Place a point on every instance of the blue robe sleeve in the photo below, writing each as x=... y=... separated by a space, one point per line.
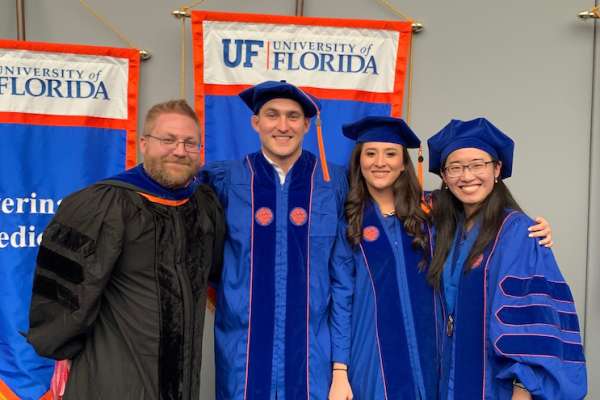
x=341 y=272
x=217 y=176
x=339 y=179
x=342 y=288
x=533 y=325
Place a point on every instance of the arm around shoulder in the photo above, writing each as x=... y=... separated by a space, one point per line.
x=217 y=175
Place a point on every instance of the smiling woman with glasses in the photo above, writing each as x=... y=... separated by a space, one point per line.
x=510 y=330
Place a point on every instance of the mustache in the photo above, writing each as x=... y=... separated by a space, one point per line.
x=179 y=161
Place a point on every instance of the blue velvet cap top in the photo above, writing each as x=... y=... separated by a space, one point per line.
x=381 y=129
x=256 y=96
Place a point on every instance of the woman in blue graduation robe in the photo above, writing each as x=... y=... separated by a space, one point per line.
x=508 y=317
x=393 y=353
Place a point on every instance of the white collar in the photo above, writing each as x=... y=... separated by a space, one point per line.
x=280 y=172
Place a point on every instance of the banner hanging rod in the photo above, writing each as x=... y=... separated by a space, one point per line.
x=20 y=19
x=183 y=13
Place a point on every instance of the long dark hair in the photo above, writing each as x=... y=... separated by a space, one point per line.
x=407 y=200
x=446 y=213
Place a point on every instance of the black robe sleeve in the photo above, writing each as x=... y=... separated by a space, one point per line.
x=217 y=217
x=79 y=249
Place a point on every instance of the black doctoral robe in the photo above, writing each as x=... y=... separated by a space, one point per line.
x=120 y=289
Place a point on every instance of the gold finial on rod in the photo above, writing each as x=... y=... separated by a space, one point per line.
x=592 y=13
x=417 y=27
x=181 y=13
x=145 y=55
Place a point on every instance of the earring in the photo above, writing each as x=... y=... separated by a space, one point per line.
x=496 y=180
x=445 y=187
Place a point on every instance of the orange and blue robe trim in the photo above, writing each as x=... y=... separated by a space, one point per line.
x=272 y=322
x=514 y=319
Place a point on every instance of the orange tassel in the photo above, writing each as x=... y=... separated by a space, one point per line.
x=326 y=177
x=211 y=304
x=320 y=142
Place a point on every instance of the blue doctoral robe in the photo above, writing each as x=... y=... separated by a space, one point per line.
x=272 y=328
x=514 y=318
x=394 y=341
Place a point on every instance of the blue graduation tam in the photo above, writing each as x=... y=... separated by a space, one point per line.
x=381 y=129
x=478 y=133
x=256 y=96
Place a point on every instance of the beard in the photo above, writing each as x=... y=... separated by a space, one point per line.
x=160 y=171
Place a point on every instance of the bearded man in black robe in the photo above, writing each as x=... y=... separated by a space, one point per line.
x=122 y=272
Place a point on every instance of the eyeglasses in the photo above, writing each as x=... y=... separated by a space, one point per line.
x=476 y=168
x=172 y=143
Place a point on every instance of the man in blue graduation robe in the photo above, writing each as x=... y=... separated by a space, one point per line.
x=272 y=330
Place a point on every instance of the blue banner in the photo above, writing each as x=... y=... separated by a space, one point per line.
x=53 y=141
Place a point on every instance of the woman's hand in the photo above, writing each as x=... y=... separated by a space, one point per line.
x=542 y=230
x=520 y=394
x=340 y=386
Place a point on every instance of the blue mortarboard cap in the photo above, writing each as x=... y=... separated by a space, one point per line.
x=478 y=133
x=381 y=129
x=256 y=96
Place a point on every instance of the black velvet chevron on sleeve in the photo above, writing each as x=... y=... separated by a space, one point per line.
x=62 y=266
x=51 y=289
x=70 y=238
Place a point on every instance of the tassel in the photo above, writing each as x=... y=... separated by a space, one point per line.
x=425 y=205
x=211 y=304
x=320 y=142
x=326 y=177
x=420 y=167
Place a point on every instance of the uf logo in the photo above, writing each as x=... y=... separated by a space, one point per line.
x=240 y=44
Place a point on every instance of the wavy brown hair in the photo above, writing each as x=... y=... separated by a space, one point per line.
x=407 y=201
x=446 y=213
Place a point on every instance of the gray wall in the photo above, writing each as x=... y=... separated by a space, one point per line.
x=8 y=25
x=592 y=309
x=526 y=65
